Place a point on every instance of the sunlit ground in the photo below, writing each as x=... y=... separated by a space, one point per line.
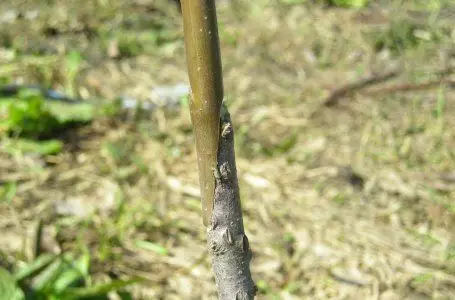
x=351 y=199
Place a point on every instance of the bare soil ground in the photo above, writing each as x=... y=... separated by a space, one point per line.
x=353 y=200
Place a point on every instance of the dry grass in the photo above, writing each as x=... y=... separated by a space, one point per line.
x=353 y=201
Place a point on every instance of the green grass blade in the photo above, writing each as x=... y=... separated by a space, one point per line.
x=97 y=290
x=35 y=266
x=45 y=280
x=146 y=245
x=7 y=192
x=20 y=146
x=77 y=112
x=8 y=287
x=75 y=272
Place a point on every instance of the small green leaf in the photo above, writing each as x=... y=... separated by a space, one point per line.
x=35 y=266
x=29 y=116
x=66 y=279
x=146 y=245
x=293 y=1
x=184 y=101
x=7 y=192
x=8 y=287
x=83 y=263
x=49 y=147
x=73 y=62
x=350 y=3
x=422 y=278
x=112 y=108
x=29 y=94
x=44 y=280
x=263 y=286
x=72 y=112
x=97 y=290
x=73 y=272
x=289 y=237
x=287 y=143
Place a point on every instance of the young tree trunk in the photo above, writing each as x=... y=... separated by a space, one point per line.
x=213 y=132
x=227 y=240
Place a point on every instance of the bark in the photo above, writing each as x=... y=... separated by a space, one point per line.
x=227 y=240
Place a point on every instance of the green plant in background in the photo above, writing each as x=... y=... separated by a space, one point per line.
x=56 y=277
x=341 y=3
x=349 y=3
x=7 y=192
x=73 y=61
x=129 y=46
x=399 y=36
x=33 y=121
x=29 y=117
x=293 y=1
x=48 y=276
x=20 y=146
x=8 y=287
x=29 y=120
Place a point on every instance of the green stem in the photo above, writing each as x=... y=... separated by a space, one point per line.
x=205 y=73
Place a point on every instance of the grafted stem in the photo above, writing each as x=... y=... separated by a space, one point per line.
x=222 y=212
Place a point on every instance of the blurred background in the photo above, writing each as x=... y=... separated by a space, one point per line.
x=343 y=117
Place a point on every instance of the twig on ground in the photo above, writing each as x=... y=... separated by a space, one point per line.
x=348 y=89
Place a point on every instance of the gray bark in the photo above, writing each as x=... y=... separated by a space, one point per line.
x=227 y=240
